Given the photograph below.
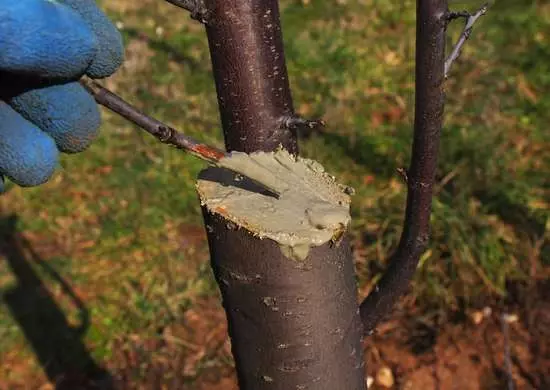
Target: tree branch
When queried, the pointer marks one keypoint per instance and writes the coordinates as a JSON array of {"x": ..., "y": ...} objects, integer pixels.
[
  {"x": 457, "y": 14},
  {"x": 296, "y": 122},
  {"x": 163, "y": 132},
  {"x": 188, "y": 5},
  {"x": 196, "y": 7},
  {"x": 429, "y": 104},
  {"x": 156, "y": 128},
  {"x": 471, "y": 19}
]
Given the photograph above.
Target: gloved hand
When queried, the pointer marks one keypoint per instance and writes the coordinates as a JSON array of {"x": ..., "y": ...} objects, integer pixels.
[{"x": 45, "y": 47}]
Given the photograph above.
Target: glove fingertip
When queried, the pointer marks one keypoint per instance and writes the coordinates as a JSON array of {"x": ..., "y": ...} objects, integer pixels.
[
  {"x": 66, "y": 112},
  {"x": 110, "y": 49},
  {"x": 28, "y": 157},
  {"x": 45, "y": 39},
  {"x": 108, "y": 59}
]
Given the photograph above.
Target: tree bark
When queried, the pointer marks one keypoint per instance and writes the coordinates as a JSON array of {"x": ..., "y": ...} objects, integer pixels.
[
  {"x": 246, "y": 47},
  {"x": 293, "y": 324}
]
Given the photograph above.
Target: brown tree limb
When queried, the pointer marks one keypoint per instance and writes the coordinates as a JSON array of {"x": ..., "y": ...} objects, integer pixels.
[
  {"x": 471, "y": 19},
  {"x": 429, "y": 104}
]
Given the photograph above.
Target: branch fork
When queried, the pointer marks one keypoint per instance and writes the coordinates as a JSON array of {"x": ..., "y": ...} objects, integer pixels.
[
  {"x": 471, "y": 19},
  {"x": 431, "y": 70}
]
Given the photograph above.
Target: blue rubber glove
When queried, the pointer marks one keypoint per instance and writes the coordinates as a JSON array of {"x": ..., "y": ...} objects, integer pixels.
[{"x": 45, "y": 47}]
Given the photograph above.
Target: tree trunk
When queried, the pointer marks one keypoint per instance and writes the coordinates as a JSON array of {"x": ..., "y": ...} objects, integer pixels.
[
  {"x": 294, "y": 324},
  {"x": 246, "y": 47}
]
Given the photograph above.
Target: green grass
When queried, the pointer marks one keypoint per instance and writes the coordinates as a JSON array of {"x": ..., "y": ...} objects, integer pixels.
[{"x": 114, "y": 219}]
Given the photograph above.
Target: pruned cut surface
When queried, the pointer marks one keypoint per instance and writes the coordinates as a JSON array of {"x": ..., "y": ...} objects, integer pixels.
[{"x": 311, "y": 209}]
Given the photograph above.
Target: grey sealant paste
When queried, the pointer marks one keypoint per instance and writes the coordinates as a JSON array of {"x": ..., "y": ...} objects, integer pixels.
[{"x": 311, "y": 209}]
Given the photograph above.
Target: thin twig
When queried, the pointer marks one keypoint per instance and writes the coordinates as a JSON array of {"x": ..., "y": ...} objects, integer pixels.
[
  {"x": 156, "y": 128},
  {"x": 471, "y": 19},
  {"x": 505, "y": 319},
  {"x": 196, "y": 7},
  {"x": 188, "y": 5},
  {"x": 295, "y": 121},
  {"x": 161, "y": 131},
  {"x": 458, "y": 14}
]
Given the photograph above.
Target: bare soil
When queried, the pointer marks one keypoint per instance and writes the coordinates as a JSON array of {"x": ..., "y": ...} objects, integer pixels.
[
  {"x": 459, "y": 355},
  {"x": 466, "y": 350},
  {"x": 467, "y": 353},
  {"x": 195, "y": 354}
]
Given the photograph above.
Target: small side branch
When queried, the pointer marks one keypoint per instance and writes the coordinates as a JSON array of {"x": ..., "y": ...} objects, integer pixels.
[
  {"x": 458, "y": 14},
  {"x": 163, "y": 132},
  {"x": 295, "y": 121},
  {"x": 471, "y": 19},
  {"x": 156, "y": 128},
  {"x": 188, "y": 5},
  {"x": 196, "y": 7}
]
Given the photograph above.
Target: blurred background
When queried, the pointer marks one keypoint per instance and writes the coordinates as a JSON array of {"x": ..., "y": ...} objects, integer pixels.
[{"x": 104, "y": 270}]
